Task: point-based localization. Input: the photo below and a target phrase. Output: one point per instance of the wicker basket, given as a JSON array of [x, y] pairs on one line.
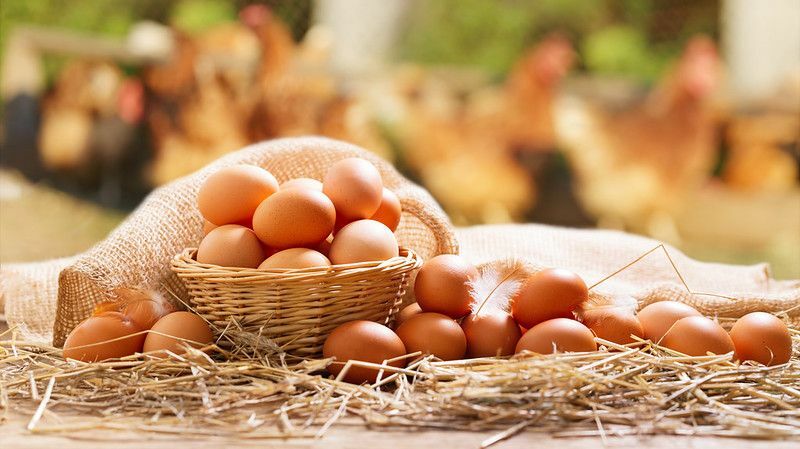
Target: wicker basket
[[296, 309]]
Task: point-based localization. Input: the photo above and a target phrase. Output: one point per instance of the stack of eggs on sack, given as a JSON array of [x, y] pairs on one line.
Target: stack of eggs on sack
[[135, 321], [548, 311], [252, 222]]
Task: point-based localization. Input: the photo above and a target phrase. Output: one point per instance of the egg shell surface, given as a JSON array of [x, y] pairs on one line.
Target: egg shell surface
[[233, 193], [559, 334], [366, 341]]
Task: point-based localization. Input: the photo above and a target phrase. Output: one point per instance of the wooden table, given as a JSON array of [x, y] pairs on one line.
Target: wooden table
[[13, 435]]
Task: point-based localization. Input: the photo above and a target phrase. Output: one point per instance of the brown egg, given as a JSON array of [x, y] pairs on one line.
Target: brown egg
[[208, 227], [86, 341], [658, 317], [433, 333], [355, 187], [268, 251], [363, 241], [561, 334], [293, 258], [231, 246], [181, 325], [442, 285], [293, 218], [305, 183], [490, 334], [341, 221], [324, 247], [546, 295], [763, 338], [614, 324], [697, 335], [389, 210], [366, 341], [232, 194], [406, 313], [144, 308], [248, 223]]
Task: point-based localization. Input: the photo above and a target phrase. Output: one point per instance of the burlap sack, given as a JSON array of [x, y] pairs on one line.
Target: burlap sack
[[595, 254], [28, 292], [138, 252]]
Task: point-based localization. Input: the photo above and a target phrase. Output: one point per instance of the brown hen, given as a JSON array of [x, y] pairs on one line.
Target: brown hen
[[635, 165], [464, 149]]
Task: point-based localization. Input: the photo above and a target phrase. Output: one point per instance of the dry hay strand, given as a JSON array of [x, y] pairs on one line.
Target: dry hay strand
[[247, 388], [638, 389]]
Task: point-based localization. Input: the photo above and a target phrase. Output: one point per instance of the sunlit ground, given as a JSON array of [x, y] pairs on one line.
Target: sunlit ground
[[39, 223]]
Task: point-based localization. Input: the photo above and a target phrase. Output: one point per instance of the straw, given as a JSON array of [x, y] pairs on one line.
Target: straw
[[635, 389]]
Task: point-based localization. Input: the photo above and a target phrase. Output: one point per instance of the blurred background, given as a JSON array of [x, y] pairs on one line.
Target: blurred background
[[675, 119]]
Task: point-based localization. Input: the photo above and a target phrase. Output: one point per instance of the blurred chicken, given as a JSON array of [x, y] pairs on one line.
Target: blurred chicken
[[763, 142], [174, 77], [297, 93], [287, 102], [204, 114], [22, 82], [764, 152], [463, 145], [522, 109], [476, 184], [88, 126], [83, 89], [243, 82], [209, 124], [636, 166], [275, 39], [112, 142], [232, 53], [348, 119]]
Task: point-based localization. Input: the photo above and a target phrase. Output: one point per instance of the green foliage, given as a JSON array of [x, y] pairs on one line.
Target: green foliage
[[113, 18], [101, 17], [634, 38], [573, 17], [631, 38], [197, 15], [92, 16], [467, 32], [622, 50]]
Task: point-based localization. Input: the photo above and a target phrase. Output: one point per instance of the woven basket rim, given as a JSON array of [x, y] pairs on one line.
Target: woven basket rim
[[185, 263]]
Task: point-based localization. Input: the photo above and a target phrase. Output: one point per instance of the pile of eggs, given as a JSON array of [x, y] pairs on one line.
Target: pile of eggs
[[543, 319], [349, 217], [252, 222], [135, 322]]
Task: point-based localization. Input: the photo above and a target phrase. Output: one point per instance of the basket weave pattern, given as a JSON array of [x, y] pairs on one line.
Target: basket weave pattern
[[296, 309]]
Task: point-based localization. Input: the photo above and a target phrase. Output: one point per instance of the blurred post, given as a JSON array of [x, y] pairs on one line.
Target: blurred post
[[363, 31], [762, 45]]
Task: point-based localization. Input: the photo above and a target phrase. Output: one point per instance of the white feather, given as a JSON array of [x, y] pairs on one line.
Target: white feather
[[493, 289]]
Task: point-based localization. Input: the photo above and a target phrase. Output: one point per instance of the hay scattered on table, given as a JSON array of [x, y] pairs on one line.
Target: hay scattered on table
[[639, 389]]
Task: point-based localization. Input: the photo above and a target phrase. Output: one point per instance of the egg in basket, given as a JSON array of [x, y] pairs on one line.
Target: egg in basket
[[291, 262]]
